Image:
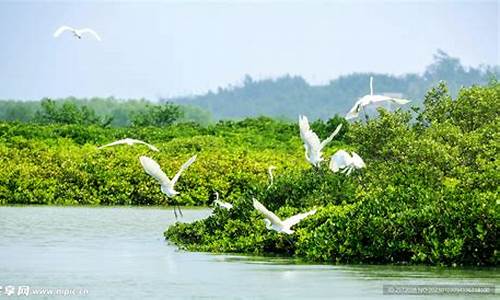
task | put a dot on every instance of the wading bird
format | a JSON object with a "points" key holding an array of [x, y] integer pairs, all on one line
{"points": [[342, 160], [167, 186], [78, 33], [312, 144], [129, 142], [275, 223], [370, 99], [270, 173], [223, 204]]}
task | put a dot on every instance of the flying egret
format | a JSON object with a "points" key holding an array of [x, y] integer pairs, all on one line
{"points": [[275, 223], [270, 173], [371, 99], [223, 204], [343, 160], [129, 142], [167, 186], [312, 144], [78, 33]]}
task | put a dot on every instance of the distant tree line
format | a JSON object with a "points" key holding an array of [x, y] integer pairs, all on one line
{"points": [[101, 111], [288, 96], [284, 98]]}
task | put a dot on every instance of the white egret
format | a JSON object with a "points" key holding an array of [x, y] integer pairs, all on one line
{"points": [[270, 173], [167, 186], [129, 142], [275, 223], [312, 144], [223, 204], [346, 162], [371, 99], [78, 33]]}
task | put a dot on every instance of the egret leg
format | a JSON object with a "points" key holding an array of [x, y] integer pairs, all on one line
{"points": [[350, 170]]}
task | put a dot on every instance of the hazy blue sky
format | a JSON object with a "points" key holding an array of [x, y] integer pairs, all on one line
{"points": [[167, 48]]}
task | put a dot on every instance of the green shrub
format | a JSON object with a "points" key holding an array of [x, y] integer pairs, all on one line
{"points": [[60, 164], [429, 193], [157, 115]]}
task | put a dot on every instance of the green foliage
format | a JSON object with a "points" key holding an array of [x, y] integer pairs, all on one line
{"points": [[157, 115], [60, 164], [429, 193], [107, 111], [195, 114], [21, 111], [67, 113], [325, 129], [437, 105]]}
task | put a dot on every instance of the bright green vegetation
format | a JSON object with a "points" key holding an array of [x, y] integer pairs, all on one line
{"points": [[429, 193], [60, 164]]}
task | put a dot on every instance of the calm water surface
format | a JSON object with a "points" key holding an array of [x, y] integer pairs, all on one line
{"points": [[120, 253]]}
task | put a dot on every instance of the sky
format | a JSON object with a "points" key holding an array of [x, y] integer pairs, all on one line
{"points": [[152, 49]]}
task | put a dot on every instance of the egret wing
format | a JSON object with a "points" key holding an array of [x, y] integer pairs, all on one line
{"points": [[123, 141], [330, 138], [383, 98], [297, 218], [144, 143], [400, 101], [62, 29], [153, 147], [153, 169], [357, 161], [347, 170], [303, 127], [268, 214], [183, 167], [303, 124], [310, 139], [340, 160], [92, 32]]}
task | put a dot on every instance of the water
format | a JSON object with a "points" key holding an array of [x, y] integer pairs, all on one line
{"points": [[120, 253]]}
